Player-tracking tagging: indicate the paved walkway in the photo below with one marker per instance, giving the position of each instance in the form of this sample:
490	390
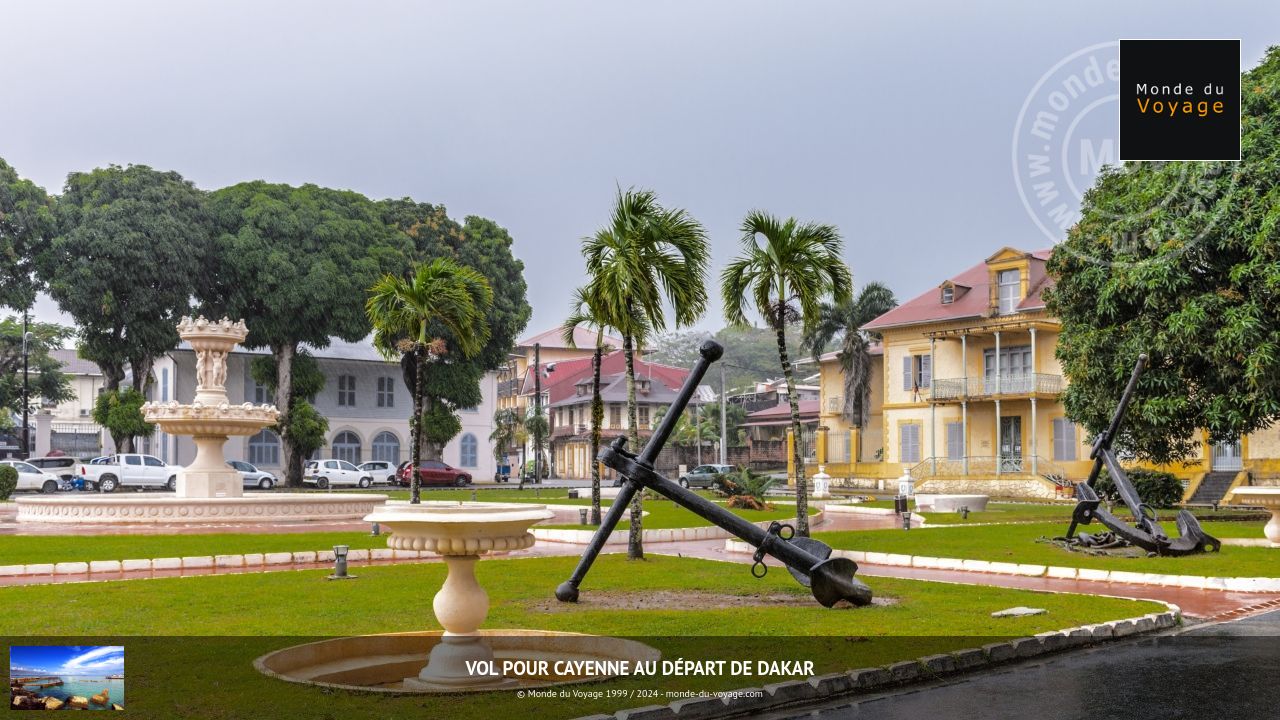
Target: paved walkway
1208	672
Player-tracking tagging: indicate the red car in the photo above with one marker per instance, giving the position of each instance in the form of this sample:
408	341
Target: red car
434	472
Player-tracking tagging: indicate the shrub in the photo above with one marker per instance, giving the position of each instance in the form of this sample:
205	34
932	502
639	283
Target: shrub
1156	488
744	490
8	481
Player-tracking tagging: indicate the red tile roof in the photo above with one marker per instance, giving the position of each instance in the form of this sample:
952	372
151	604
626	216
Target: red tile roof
559	383
971	303
782	412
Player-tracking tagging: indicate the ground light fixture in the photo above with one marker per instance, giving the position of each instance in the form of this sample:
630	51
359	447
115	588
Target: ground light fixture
906	520
964	512
582	514
375	531
340	563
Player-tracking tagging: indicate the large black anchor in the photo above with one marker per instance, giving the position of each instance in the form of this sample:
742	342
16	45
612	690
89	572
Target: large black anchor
1145	532
830	579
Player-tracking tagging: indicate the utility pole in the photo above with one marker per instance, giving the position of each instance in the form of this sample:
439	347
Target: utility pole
26	390
697	428
724	436
537	409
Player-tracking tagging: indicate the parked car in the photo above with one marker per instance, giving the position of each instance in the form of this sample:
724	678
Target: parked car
64	466
703	476
324	473
381	470
31	477
252	476
435	472
131	470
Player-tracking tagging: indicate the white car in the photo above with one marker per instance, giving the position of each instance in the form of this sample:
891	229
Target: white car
252	476
325	473
31	477
381	470
130	470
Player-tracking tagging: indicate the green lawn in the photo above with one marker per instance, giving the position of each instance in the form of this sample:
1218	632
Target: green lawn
31	549
1009	512
1018	543
214	678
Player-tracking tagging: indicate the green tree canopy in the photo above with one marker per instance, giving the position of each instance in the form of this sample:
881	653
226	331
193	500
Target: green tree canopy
26	224
485	247
44	373
120	412
130	248
1181	261
294	263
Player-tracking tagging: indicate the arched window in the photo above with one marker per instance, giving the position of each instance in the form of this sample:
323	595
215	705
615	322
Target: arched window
346	446
264	448
468	451
386	446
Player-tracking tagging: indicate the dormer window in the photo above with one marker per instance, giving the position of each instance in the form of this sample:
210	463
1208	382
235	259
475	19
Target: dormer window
948	294
1009	290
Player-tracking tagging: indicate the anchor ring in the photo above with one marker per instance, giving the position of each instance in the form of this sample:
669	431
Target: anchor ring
764	570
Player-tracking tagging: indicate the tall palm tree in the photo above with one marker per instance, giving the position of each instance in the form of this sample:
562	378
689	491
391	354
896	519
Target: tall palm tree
586	311
407	312
845	320
786	269
646	258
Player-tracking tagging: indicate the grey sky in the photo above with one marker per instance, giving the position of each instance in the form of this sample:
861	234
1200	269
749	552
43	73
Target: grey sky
893	121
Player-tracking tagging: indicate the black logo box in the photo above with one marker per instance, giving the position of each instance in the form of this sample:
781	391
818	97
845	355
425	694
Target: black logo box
1161	77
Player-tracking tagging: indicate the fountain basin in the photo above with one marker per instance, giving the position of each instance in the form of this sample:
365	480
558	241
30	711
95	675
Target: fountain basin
381	663
1266	497
167	508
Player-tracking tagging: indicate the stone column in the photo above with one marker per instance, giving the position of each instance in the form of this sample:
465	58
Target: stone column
42	444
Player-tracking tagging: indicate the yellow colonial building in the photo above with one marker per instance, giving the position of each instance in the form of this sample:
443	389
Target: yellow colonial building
965	398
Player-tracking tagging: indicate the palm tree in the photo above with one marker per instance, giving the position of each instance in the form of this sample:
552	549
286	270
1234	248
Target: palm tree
786	277
844	320
407	313
504	433
645	258
586	311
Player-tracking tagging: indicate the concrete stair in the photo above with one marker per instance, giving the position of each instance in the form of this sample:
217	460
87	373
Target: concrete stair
1213	487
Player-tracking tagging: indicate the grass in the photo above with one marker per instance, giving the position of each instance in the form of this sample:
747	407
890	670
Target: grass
1018	543
213	677
31	549
1011	512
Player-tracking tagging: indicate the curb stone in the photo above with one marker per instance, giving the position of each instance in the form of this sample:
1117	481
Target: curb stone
835	685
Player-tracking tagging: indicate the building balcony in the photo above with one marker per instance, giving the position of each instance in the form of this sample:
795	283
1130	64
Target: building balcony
947	390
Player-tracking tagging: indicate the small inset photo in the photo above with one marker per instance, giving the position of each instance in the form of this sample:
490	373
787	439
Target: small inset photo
66	677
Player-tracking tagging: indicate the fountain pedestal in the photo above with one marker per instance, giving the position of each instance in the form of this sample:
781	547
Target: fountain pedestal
1266	497
461	533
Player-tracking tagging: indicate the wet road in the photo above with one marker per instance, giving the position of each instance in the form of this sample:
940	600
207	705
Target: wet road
1212	672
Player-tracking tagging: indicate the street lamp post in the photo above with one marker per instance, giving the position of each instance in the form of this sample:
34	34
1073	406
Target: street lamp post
26	390
723	433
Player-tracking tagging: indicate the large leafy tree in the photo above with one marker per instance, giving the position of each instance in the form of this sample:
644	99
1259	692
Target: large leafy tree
589	312
295	264
843	321
645	258
120	412
131	245
45	378
485	247
1180	261
785	271
307	427
404	311
26	224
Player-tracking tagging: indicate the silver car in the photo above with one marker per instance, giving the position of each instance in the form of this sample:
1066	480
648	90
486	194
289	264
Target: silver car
252	476
704	475
381	470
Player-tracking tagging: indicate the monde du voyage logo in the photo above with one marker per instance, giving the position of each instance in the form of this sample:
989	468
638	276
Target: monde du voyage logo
1179	100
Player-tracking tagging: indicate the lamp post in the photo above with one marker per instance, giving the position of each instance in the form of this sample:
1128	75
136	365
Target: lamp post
26	389
340	563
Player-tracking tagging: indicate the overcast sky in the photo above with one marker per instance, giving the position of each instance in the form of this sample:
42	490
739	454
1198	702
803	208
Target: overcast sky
892	120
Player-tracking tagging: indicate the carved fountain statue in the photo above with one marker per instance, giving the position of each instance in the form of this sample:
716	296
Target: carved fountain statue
210	418
208	490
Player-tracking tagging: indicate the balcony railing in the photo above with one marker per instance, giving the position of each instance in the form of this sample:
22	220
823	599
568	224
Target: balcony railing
1006	385
986	466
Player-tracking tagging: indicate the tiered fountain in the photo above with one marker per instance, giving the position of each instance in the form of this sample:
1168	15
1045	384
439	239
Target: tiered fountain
444	662
208	491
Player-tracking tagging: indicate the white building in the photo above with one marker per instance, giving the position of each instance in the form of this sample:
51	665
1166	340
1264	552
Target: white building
364	399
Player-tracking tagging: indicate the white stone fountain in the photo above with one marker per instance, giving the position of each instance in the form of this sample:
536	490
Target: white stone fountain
435	662
208	491
1266	497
